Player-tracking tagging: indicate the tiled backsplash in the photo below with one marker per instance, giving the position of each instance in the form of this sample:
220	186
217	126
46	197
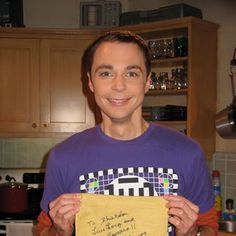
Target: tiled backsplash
226	164
25	152
32	153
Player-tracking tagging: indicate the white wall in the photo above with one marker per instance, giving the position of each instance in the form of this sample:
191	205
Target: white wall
65	14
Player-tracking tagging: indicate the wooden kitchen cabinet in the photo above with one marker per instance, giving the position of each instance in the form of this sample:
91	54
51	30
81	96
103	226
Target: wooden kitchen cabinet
19	85
201	64
64	107
40	77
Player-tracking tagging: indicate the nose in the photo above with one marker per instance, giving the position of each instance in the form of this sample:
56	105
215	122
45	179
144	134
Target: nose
119	83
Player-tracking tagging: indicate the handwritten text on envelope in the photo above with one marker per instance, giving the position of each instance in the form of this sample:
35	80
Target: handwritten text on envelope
103	215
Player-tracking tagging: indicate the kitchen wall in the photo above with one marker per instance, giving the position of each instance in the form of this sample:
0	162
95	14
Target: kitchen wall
32	153
25	152
226	164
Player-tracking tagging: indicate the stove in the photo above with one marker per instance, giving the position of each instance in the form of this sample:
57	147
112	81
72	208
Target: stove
33	177
22	223
17	228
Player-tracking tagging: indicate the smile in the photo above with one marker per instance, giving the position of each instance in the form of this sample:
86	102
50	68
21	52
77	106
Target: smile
118	102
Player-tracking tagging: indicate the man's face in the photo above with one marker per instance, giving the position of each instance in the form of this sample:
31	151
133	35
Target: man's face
119	80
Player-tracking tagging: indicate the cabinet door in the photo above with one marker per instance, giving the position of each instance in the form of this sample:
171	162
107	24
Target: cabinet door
19	85
64	104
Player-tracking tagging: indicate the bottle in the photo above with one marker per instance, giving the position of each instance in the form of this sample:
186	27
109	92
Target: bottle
217	191
154	81
229	213
230	208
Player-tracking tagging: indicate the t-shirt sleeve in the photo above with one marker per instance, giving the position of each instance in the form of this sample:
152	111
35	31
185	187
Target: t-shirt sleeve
53	184
199	188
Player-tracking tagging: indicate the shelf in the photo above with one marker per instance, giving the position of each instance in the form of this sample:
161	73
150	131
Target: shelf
171	59
176	61
171	123
166	92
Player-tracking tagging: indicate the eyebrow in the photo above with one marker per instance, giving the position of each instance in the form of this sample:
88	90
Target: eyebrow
107	66
103	66
130	67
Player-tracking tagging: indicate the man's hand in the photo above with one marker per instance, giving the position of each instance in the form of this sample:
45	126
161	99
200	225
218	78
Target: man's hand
183	214
62	212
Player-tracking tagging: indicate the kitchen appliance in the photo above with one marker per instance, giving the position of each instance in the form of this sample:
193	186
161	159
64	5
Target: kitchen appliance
11	13
17	228
99	14
162	13
226	118
13	221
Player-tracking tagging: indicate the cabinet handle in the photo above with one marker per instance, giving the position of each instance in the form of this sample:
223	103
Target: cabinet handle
45	125
34	125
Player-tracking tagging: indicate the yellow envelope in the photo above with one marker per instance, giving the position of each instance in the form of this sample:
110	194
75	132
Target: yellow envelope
106	215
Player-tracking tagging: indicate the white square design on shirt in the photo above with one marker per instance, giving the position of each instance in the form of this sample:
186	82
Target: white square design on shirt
140	169
131	170
91	175
150	169
81	178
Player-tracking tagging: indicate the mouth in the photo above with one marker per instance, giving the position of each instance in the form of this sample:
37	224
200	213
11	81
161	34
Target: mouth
118	101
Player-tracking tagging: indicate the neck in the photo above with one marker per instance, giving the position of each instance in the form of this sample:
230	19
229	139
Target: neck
124	131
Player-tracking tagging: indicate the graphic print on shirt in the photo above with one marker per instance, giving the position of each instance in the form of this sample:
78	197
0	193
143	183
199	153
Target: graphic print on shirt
137	181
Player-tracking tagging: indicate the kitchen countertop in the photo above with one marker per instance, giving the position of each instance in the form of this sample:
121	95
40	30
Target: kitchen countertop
221	233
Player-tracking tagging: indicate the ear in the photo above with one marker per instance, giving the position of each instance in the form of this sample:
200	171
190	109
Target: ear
148	83
90	83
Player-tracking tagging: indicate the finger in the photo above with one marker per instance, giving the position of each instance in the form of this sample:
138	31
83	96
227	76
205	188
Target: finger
183	213
175	221
62	209
182	210
193	206
185	217
68	196
64	204
183	222
63	217
179	201
65	199
64	214
181	227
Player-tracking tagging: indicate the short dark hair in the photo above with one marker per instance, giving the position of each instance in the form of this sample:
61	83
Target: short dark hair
117	36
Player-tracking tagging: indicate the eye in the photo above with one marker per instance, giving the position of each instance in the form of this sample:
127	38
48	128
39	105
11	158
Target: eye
132	74
105	74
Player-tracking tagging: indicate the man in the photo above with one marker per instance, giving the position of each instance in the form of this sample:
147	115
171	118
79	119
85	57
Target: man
118	69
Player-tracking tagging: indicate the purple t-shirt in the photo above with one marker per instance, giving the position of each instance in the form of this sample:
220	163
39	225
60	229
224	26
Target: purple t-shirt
160	161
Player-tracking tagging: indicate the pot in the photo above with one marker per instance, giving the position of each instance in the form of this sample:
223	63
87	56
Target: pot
226	121
13	197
